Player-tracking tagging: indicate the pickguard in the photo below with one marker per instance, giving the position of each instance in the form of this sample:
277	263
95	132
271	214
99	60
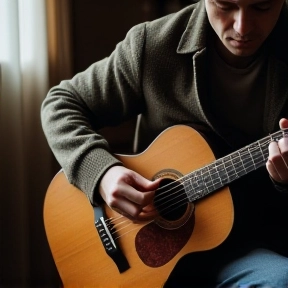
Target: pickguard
156	246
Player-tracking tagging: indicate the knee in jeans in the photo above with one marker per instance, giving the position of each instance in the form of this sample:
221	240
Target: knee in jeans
279	277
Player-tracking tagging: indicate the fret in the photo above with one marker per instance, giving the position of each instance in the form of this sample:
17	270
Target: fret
247	161
223	171
251	153
191	187
200	184
227	170
261	152
241	170
258	156
264	150
233	171
208	176
187	182
216	179
205	178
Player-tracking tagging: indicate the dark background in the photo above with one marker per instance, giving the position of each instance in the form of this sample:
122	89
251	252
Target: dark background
96	28
99	25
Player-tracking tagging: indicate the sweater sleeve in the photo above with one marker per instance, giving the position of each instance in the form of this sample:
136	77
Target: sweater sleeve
106	94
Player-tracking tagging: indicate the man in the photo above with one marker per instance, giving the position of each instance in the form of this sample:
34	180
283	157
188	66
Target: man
218	64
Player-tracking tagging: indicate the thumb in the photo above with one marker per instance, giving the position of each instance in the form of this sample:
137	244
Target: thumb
146	185
283	123
153	185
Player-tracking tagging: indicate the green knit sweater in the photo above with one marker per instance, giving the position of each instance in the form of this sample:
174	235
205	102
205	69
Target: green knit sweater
159	71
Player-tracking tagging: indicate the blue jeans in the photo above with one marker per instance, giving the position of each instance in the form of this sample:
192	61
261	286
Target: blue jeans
258	268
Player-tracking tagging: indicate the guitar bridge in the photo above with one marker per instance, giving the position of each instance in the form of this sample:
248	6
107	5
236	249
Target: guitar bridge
109	242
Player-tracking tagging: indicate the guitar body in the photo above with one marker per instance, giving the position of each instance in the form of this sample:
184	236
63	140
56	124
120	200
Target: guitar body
77	248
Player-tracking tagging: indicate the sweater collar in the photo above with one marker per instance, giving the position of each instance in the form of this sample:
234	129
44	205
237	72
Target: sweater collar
194	37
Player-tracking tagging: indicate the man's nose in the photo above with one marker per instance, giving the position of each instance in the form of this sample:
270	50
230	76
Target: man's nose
242	22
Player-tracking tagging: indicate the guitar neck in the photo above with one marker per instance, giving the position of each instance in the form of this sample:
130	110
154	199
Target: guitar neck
223	171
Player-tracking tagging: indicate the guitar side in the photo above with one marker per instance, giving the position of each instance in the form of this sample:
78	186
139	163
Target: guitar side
74	242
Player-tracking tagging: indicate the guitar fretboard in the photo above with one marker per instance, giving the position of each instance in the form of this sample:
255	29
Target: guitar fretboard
223	171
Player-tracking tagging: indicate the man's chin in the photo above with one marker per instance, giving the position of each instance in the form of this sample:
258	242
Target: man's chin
245	49
242	52
237	52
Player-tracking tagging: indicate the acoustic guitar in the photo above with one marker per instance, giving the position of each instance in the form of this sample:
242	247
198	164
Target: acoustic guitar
97	247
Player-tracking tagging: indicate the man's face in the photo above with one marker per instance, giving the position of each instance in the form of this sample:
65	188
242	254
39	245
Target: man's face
243	25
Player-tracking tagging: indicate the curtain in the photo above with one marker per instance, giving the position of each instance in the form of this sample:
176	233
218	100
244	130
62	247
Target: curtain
29	50
35	54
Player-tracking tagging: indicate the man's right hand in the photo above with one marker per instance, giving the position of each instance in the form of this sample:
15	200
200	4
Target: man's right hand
129	193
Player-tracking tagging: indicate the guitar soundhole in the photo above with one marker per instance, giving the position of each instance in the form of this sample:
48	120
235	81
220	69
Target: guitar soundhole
170	199
159	241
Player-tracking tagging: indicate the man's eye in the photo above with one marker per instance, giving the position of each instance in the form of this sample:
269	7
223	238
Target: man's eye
225	6
262	7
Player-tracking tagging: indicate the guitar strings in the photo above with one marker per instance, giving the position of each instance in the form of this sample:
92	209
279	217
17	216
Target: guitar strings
127	222
194	173
118	234
168	191
184	201
265	142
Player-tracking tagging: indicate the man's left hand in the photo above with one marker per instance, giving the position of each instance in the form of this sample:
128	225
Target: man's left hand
277	164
